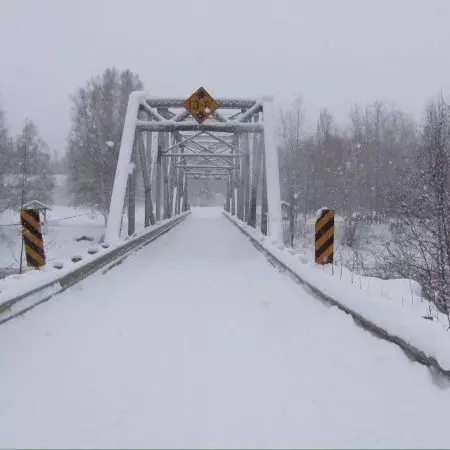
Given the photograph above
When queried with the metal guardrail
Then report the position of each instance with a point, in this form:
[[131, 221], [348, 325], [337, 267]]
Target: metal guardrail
[[34, 297], [410, 351]]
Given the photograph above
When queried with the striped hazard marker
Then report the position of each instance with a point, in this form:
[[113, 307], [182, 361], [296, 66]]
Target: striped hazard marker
[[325, 237], [32, 237]]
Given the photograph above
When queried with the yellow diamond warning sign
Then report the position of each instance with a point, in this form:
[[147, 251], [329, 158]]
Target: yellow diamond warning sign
[[201, 105]]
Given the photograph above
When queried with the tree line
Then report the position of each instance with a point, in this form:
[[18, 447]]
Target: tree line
[[381, 167], [25, 166]]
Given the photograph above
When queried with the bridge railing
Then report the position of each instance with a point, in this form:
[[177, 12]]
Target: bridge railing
[[416, 338], [28, 294]]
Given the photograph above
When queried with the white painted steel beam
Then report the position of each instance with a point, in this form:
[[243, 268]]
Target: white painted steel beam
[[201, 166], [123, 163], [225, 103], [250, 112], [272, 171], [172, 125], [200, 155]]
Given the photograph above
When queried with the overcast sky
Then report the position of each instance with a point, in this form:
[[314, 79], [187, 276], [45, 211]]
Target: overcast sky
[[333, 53]]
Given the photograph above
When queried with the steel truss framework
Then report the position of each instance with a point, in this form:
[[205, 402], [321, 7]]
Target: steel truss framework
[[237, 144]]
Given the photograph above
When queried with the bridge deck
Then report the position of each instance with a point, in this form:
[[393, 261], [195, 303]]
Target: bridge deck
[[197, 341]]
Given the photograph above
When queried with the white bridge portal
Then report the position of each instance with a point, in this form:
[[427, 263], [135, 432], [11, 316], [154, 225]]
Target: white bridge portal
[[237, 143]]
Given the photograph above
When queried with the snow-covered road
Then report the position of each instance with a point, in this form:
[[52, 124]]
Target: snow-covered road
[[197, 341]]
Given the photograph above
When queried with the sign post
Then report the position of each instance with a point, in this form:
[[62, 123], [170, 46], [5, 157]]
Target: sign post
[[324, 238], [32, 237]]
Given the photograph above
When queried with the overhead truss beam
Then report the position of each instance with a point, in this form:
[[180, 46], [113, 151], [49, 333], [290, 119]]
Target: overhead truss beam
[[225, 103], [200, 155], [213, 149], [199, 166], [172, 125]]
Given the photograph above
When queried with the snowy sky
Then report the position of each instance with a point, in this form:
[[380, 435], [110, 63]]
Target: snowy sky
[[332, 52]]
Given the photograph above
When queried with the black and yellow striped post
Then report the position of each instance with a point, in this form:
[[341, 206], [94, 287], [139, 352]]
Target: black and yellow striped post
[[32, 237], [325, 237]]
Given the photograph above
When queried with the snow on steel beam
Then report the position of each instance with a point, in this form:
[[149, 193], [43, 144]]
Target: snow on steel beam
[[171, 125], [272, 170], [183, 142], [227, 143], [226, 103], [250, 112], [207, 178], [200, 155], [183, 115], [220, 117], [194, 166], [203, 172], [123, 168], [166, 113], [151, 111], [209, 157]]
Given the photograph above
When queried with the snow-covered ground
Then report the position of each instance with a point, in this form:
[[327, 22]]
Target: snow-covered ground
[[197, 341], [64, 225], [358, 265]]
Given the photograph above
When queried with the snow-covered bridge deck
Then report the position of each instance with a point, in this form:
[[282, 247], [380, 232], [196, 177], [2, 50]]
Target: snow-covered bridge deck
[[197, 341]]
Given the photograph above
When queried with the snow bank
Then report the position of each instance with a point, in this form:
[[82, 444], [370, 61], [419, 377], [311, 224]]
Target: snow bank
[[430, 337]]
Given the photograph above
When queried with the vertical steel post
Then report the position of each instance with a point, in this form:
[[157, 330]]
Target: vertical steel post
[[159, 175], [144, 153], [185, 194], [272, 171], [258, 149], [132, 190], [246, 174], [264, 205], [240, 188], [166, 179]]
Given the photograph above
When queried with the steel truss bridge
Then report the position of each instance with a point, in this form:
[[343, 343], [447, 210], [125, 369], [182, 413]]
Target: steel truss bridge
[[236, 144]]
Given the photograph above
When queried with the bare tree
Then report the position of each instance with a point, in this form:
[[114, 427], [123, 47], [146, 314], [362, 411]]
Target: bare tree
[[292, 133], [98, 114], [421, 237]]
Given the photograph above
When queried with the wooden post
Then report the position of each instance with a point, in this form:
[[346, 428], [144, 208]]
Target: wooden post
[[132, 193], [264, 203], [258, 149], [159, 175]]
